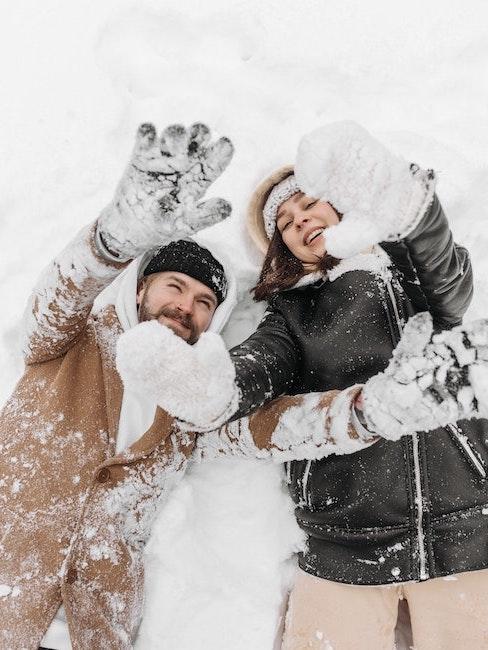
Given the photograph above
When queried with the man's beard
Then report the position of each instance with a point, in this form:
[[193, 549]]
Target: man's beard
[[185, 320]]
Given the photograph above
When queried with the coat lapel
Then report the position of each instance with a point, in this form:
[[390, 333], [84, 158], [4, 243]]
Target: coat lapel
[[158, 432]]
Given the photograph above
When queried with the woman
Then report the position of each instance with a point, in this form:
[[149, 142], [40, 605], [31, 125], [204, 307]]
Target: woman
[[404, 512]]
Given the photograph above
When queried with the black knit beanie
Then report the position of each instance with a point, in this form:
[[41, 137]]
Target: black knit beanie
[[186, 256]]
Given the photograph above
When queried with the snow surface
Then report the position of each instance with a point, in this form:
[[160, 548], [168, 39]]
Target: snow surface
[[78, 77]]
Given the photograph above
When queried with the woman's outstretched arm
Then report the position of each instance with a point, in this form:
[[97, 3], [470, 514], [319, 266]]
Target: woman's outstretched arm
[[308, 426], [383, 198], [203, 385]]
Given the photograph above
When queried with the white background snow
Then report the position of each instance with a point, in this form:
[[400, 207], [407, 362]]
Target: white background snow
[[77, 78]]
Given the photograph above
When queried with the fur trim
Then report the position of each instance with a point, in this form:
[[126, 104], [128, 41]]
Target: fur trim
[[374, 261], [255, 218]]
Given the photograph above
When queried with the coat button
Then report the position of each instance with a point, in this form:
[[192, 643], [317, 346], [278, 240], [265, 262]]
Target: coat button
[[71, 576], [103, 475]]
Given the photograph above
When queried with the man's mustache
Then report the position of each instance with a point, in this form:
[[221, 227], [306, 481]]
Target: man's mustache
[[184, 319]]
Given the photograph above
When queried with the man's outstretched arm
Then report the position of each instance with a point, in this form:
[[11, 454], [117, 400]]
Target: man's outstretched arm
[[156, 201], [431, 381]]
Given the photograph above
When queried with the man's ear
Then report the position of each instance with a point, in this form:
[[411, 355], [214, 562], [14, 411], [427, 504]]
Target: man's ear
[[141, 288]]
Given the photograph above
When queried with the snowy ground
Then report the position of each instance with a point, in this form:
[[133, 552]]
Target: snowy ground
[[77, 78]]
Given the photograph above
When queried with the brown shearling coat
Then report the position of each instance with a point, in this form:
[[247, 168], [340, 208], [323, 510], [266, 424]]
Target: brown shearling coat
[[75, 516]]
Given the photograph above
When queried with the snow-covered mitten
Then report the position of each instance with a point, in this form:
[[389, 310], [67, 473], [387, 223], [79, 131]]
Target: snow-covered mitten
[[194, 383], [381, 197], [157, 198], [432, 379]]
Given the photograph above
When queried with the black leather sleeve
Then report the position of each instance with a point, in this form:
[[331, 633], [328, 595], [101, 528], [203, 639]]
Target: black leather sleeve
[[265, 363], [437, 271]]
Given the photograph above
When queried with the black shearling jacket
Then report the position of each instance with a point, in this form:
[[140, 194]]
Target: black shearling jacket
[[396, 511]]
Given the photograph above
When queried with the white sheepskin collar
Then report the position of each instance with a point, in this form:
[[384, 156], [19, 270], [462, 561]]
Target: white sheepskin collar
[[374, 261]]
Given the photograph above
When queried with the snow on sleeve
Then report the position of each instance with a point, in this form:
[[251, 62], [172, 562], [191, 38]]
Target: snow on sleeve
[[61, 301], [194, 383], [309, 426]]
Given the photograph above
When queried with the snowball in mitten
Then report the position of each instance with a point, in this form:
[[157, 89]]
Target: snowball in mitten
[[380, 196]]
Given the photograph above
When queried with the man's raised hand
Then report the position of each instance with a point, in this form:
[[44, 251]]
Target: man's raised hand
[[158, 197]]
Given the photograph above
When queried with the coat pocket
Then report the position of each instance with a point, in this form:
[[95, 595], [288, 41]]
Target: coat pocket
[[467, 449]]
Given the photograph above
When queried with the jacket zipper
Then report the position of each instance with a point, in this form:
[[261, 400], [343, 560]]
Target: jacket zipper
[[465, 445], [288, 472], [306, 476], [424, 574]]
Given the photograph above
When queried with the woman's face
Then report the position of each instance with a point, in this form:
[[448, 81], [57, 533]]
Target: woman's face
[[301, 222]]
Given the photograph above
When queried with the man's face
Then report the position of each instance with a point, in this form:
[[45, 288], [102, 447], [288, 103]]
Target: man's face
[[178, 301]]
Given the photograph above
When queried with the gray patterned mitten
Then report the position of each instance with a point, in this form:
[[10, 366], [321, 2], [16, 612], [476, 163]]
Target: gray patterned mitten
[[157, 198], [432, 379]]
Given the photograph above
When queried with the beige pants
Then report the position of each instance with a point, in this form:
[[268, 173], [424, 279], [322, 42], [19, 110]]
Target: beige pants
[[446, 614]]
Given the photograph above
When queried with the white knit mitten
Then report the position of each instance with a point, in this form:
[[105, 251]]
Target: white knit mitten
[[380, 196], [432, 379], [156, 199], [194, 383]]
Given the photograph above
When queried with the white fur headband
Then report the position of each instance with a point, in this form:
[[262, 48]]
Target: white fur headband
[[280, 193]]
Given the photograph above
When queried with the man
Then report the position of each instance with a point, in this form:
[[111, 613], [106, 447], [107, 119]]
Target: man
[[84, 458]]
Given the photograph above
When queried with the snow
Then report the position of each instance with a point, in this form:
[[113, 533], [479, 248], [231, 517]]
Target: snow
[[77, 79], [215, 527]]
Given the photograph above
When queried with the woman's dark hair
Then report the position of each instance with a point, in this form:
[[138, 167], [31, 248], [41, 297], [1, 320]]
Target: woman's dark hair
[[281, 269]]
